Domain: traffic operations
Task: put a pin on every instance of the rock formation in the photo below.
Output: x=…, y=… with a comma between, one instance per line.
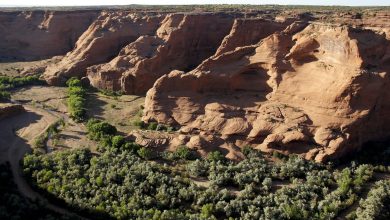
x=182, y=42
x=103, y=40
x=313, y=83
x=312, y=89
x=34, y=35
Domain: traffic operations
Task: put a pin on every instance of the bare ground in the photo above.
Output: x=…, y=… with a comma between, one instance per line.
x=23, y=67
x=120, y=111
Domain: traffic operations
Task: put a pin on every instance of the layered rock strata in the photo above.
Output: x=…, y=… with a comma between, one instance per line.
x=36, y=35
x=314, y=89
x=100, y=42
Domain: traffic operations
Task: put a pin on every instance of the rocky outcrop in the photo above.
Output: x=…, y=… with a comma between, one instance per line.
x=103, y=40
x=8, y=110
x=314, y=89
x=35, y=35
x=310, y=83
x=182, y=42
x=250, y=31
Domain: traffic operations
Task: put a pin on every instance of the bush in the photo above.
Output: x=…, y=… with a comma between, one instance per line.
x=247, y=150
x=377, y=203
x=5, y=95
x=145, y=153
x=97, y=129
x=122, y=185
x=183, y=153
x=73, y=82
x=152, y=126
x=207, y=211
x=198, y=168
x=215, y=156
x=103, y=132
x=139, y=123
x=117, y=141
x=131, y=146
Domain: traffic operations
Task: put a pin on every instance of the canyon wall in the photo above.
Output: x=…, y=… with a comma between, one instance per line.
x=100, y=42
x=35, y=35
x=181, y=42
x=315, y=89
x=314, y=83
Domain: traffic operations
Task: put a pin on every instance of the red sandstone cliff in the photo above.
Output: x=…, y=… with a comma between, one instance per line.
x=103, y=40
x=181, y=42
x=34, y=35
x=313, y=83
x=312, y=90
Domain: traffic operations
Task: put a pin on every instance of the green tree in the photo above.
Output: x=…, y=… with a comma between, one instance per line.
x=215, y=156
x=145, y=153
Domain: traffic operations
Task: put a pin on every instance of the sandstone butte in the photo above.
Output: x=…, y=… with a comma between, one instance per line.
x=315, y=83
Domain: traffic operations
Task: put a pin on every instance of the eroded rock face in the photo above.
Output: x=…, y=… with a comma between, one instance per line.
x=314, y=89
x=38, y=35
x=103, y=40
x=182, y=42
x=308, y=83
x=246, y=32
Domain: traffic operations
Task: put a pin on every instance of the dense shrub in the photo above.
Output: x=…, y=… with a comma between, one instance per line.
x=76, y=100
x=145, y=153
x=215, y=156
x=98, y=129
x=8, y=82
x=125, y=183
x=377, y=203
x=183, y=153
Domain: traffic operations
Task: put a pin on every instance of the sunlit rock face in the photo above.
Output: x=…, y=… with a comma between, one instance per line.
x=34, y=35
x=313, y=84
x=315, y=89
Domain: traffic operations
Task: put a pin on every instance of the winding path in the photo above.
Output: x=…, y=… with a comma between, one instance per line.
x=13, y=147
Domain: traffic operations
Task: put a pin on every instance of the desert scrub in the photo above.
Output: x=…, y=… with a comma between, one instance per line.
x=106, y=135
x=39, y=144
x=7, y=83
x=76, y=100
x=377, y=203
x=144, y=189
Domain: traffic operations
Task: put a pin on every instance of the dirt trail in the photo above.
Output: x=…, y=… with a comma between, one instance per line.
x=13, y=147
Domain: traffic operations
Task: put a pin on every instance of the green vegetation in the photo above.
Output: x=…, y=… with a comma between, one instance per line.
x=152, y=126
x=215, y=156
x=7, y=83
x=124, y=182
x=39, y=144
x=377, y=203
x=76, y=100
x=106, y=135
x=181, y=153
x=15, y=206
